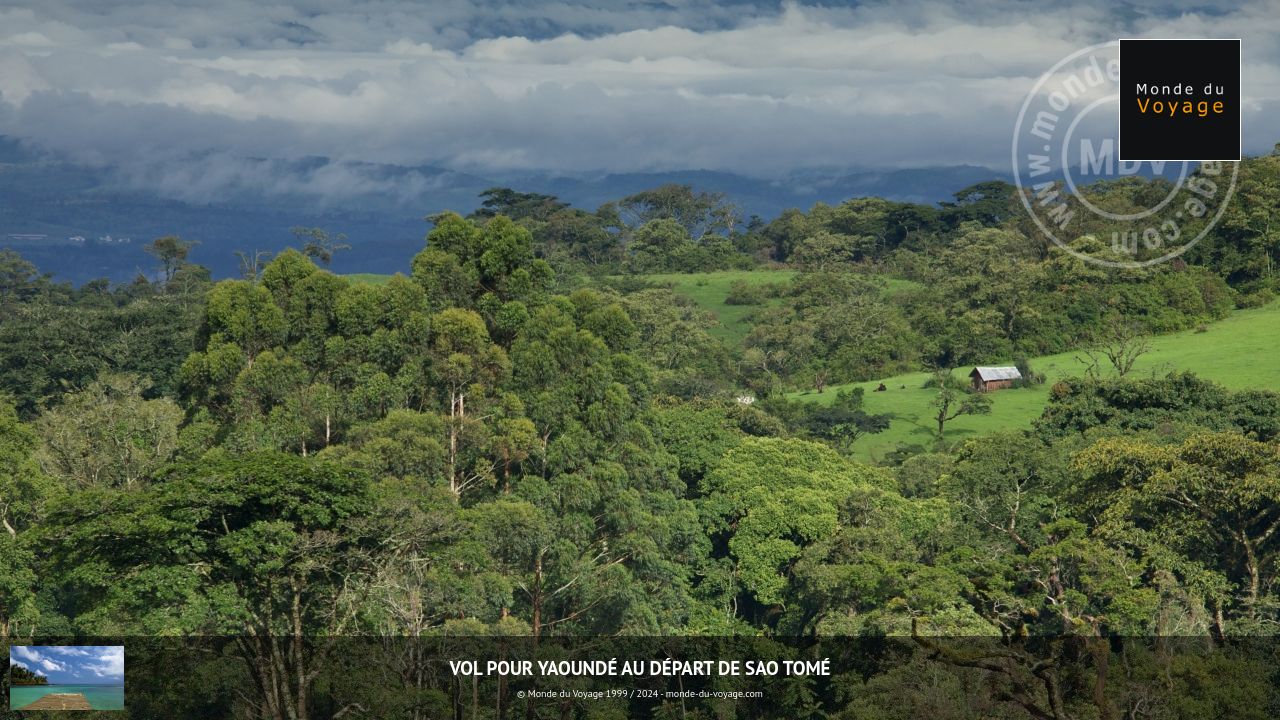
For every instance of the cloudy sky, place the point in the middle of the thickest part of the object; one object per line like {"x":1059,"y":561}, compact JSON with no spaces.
{"x":72,"y":664}
{"x":760,"y":88}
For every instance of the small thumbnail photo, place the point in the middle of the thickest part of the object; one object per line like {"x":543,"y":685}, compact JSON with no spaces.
{"x":66,"y":677}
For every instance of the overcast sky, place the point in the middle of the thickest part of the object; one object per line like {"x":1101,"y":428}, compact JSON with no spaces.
{"x":753,"y":87}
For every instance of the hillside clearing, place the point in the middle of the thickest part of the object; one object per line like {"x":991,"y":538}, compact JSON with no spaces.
{"x":1238,"y":352}
{"x":709,"y":290}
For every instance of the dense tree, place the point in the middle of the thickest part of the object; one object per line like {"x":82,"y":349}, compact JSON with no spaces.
{"x":265,"y":547}
{"x":318,"y":244}
{"x":23,"y":494}
{"x":109,"y":435}
{"x":1166,"y":403}
{"x":19,"y":279}
{"x":697,"y":212}
{"x":466,"y":363}
{"x":768,"y":499}
{"x":517,"y":205}
{"x":1211,"y":502}
{"x":465,"y":265}
{"x":171,"y":251}
{"x":987,"y":202}
{"x":953,"y":400}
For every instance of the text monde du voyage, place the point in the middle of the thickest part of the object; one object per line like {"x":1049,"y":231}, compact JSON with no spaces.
{"x":1175,"y":100}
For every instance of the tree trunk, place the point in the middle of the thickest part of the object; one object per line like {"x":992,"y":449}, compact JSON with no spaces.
{"x":300,"y":667}
{"x":536,"y":595}
{"x":457,"y":413}
{"x":1100,"y":648}
{"x":1251,"y":567}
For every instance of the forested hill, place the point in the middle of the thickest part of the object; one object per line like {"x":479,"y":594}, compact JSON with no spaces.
{"x":235,"y":205}
{"x":530,"y":434}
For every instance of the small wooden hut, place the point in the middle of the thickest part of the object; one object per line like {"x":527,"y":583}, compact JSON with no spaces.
{"x":986,"y":379}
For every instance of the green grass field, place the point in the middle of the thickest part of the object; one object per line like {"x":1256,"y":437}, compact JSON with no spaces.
{"x":709,"y":290}
{"x":1238,"y":352}
{"x":369,"y":278}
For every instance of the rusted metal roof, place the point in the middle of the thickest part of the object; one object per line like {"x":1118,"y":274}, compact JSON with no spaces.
{"x":996,"y":373}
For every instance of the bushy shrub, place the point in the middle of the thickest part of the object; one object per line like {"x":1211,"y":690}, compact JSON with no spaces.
{"x":1030,"y":378}
{"x":1255,"y":299}
{"x":742,"y":292}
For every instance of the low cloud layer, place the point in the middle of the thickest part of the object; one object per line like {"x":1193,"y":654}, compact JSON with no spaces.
{"x":755,"y":88}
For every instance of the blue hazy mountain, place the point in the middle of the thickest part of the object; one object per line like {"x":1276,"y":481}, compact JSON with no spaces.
{"x":81,"y":221}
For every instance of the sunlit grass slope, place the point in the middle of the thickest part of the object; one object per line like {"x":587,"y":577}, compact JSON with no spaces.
{"x":1242,"y":351}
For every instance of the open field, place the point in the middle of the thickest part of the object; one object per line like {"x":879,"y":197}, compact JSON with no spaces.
{"x":709,"y":290}
{"x":369,"y":278}
{"x":1242,"y":351}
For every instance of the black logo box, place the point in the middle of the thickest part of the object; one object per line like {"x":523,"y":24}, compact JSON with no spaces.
{"x":1185,"y":64}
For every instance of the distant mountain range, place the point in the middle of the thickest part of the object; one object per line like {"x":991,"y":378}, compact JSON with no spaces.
{"x":82,"y":221}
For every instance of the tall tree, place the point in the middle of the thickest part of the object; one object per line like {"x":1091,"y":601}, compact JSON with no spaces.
{"x":467,"y":365}
{"x":24,"y":491}
{"x":698,"y":212}
{"x":953,"y":401}
{"x":109,"y":435}
{"x":318,"y":244}
{"x":171,"y":251}
{"x":1212,"y":501}
{"x":517,"y":205}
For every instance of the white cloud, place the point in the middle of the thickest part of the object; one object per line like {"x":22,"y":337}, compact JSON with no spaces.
{"x":107,"y":663}
{"x":36,"y":658}
{"x":758,"y":88}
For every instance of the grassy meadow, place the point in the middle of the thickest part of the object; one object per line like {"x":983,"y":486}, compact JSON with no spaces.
{"x":369,"y":278}
{"x":709,"y":290}
{"x":1242,"y":351}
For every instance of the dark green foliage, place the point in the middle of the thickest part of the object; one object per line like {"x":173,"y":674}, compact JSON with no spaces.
{"x":19,"y":675}
{"x":742,"y":292}
{"x":171,"y":251}
{"x":57,"y":340}
{"x":840,"y":423}
{"x":1030,"y":378}
{"x":1077,"y":406}
{"x":517,"y":205}
{"x":490,"y":447}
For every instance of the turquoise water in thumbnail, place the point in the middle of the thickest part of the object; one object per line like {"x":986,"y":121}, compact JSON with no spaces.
{"x":100,"y":697}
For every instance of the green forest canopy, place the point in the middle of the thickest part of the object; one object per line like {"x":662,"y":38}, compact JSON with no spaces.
{"x":525,"y":436}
